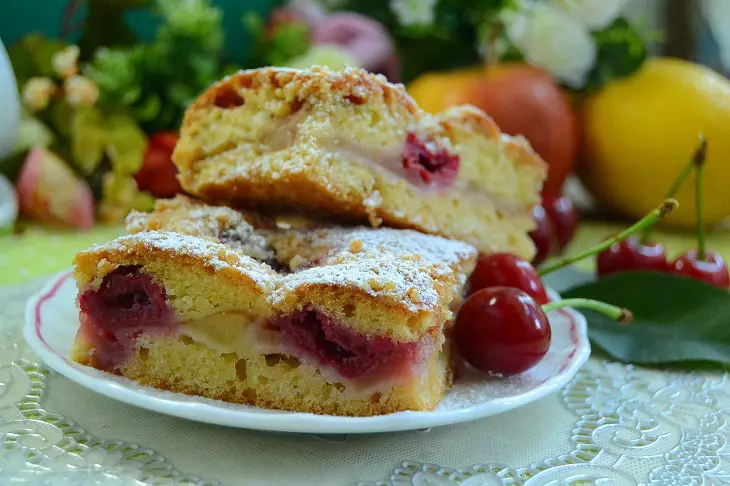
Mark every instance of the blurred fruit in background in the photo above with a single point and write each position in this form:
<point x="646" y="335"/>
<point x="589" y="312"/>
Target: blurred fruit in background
<point x="158" y="175"/>
<point x="48" y="190"/>
<point x="522" y="100"/>
<point x="641" y="131"/>
<point x="435" y="92"/>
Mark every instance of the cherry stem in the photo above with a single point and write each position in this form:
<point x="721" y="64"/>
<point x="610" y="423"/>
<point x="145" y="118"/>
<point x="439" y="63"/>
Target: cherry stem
<point x="696" y="161"/>
<point x="674" y="189"/>
<point x="667" y="207"/>
<point x="623" y="316"/>
<point x="699" y="162"/>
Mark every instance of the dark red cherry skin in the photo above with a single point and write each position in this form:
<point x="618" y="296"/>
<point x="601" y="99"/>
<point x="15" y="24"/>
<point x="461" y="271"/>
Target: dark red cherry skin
<point x="507" y="270"/>
<point x="712" y="269"/>
<point x="543" y="236"/>
<point x="563" y="216"/>
<point x="631" y="254"/>
<point x="502" y="330"/>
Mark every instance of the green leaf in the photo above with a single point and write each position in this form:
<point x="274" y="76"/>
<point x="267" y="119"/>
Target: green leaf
<point x="125" y="144"/>
<point x="32" y="132"/>
<point x="31" y="56"/>
<point x="676" y="319"/>
<point x="60" y="114"/>
<point x="621" y="51"/>
<point x="88" y="138"/>
<point x="148" y="109"/>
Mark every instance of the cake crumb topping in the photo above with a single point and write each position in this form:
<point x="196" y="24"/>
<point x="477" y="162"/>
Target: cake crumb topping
<point x="405" y="266"/>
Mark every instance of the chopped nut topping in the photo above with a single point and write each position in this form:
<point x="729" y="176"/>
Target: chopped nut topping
<point x="414" y="295"/>
<point x="355" y="246"/>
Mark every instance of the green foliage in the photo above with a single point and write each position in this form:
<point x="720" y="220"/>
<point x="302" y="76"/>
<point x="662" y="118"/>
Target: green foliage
<point x="450" y="42"/>
<point x="87" y="139"/>
<point x="104" y="25"/>
<point x="31" y="56"/>
<point x="96" y="135"/>
<point x="621" y="51"/>
<point x="117" y="74"/>
<point x="157" y="81"/>
<point x="275" y="46"/>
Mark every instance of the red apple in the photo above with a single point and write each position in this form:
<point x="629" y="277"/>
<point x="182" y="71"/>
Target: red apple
<point x="527" y="101"/>
<point x="48" y="190"/>
<point x="158" y="174"/>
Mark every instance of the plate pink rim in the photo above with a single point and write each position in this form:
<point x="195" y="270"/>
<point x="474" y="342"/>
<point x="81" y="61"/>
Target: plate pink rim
<point x="221" y="413"/>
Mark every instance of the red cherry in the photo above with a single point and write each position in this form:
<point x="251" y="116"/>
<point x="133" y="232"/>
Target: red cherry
<point x="564" y="217"/>
<point x="502" y="330"/>
<point x="543" y="236"/>
<point x="711" y="270"/>
<point x="507" y="270"/>
<point x="631" y="254"/>
<point x="427" y="164"/>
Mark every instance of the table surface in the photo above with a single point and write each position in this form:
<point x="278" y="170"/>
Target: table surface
<point x="622" y="424"/>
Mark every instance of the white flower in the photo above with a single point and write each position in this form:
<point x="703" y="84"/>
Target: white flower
<point x="65" y="61"/>
<point x="717" y="13"/>
<point x="594" y="14"/>
<point x="37" y="93"/>
<point x="80" y="91"/>
<point x="413" y="12"/>
<point x="551" y="39"/>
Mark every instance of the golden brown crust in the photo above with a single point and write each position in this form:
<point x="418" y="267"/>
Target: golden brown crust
<point x="352" y="84"/>
<point x="468" y="116"/>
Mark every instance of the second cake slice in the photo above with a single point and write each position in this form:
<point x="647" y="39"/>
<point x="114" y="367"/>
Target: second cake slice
<point x="209" y="301"/>
<point x="353" y="145"/>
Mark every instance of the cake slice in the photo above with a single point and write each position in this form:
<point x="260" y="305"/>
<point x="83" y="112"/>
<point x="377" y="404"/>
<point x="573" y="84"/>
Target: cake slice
<point x="209" y="301"/>
<point x="353" y="145"/>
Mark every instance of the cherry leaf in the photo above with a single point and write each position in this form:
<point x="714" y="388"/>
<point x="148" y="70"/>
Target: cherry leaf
<point x="677" y="320"/>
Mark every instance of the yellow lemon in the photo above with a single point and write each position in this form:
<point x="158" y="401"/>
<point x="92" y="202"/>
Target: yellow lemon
<point x="640" y="131"/>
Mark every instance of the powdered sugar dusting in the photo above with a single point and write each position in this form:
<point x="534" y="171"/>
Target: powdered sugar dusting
<point x="421" y="272"/>
<point x="401" y="244"/>
<point x="387" y="278"/>
<point x="213" y="255"/>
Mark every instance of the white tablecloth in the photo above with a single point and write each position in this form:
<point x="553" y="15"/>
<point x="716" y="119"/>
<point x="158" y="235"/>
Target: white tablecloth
<point x="612" y="425"/>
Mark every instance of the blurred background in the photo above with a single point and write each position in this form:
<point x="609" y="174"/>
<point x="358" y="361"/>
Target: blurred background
<point x="613" y="94"/>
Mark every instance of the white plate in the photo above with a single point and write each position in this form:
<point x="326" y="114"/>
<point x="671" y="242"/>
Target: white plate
<point x="52" y="320"/>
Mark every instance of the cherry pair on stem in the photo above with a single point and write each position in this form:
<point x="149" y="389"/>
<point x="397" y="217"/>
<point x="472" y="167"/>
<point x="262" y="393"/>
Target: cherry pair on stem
<point x="639" y="253"/>
<point x="503" y="327"/>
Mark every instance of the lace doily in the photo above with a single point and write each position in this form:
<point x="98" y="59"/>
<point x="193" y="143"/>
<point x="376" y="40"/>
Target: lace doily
<point x="630" y="426"/>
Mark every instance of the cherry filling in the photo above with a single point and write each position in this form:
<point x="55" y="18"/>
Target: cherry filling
<point x="424" y="164"/>
<point x="353" y="355"/>
<point x="126" y="304"/>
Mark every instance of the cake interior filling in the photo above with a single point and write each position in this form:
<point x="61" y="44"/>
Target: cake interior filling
<point x="353" y="355"/>
<point x="427" y="164"/>
<point x="421" y="162"/>
<point x="126" y="304"/>
<point x="129" y="303"/>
